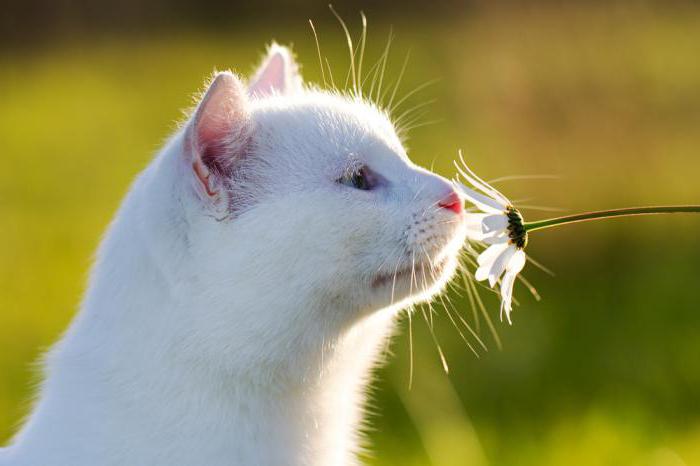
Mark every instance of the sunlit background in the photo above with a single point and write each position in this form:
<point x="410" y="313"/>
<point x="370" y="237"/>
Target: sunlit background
<point x="604" y="370"/>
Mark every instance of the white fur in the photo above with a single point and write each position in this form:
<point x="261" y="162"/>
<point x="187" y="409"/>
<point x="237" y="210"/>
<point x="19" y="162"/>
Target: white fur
<point x="241" y="328"/>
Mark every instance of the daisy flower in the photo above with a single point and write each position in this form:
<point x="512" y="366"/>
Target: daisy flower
<point x="500" y="226"/>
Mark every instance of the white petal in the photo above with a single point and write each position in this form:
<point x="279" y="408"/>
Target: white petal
<point x="482" y="273"/>
<point x="491" y="254"/>
<point x="483" y="202"/>
<point x="499" y="265"/>
<point x="507" y="294"/>
<point x="496" y="239"/>
<point x="474" y="223"/>
<point x="478" y="183"/>
<point x="494" y="223"/>
<point x="515" y="265"/>
<point x="517" y="262"/>
<point x="489" y="228"/>
<point x="486" y="260"/>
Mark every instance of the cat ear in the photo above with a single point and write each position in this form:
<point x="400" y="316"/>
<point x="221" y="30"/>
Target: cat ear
<point x="278" y="73"/>
<point x="218" y="134"/>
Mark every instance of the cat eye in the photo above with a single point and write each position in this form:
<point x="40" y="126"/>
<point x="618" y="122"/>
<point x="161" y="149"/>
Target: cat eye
<point x="361" y="178"/>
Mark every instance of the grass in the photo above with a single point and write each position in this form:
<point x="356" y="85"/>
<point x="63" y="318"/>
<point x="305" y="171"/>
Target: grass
<point x="603" y="371"/>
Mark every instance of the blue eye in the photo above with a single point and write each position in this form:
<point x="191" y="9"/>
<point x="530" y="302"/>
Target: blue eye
<point x="361" y="178"/>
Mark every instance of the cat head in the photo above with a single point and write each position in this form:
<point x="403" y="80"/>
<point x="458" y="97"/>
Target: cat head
<point x="304" y="208"/>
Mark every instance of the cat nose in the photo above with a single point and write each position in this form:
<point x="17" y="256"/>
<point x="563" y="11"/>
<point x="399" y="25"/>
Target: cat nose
<point x="452" y="202"/>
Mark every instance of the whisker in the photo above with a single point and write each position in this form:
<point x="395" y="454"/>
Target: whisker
<point x="318" y="49"/>
<point x="446" y="307"/>
<point x="475" y="315"/>
<point x="485" y="314"/>
<point x="468" y="174"/>
<point x="487" y="317"/>
<point x="397" y="84"/>
<point x="384" y="262"/>
<point x="431" y="309"/>
<point x="350" y="49"/>
<point x="432" y="163"/>
<point x="416" y="117"/>
<point x="411" y="93"/>
<point x="363" y="40"/>
<point x="406" y="113"/>
<point x="530" y="287"/>
<point x="454" y="287"/>
<point x="372" y="72"/>
<point x="384" y="59"/>
<point x="523" y="177"/>
<point x="542" y="208"/>
<point x="471" y="330"/>
<point x="461" y="334"/>
<point x="425" y="283"/>
<point x="443" y="360"/>
<point x="410" y="128"/>
<point x="330" y="74"/>
<point x="449" y="314"/>
<point x="434" y="204"/>
<point x="418" y="191"/>
<point x="410" y="120"/>
<point x="540" y="266"/>
<point x="393" y="283"/>
<point x="447" y="222"/>
<point x="410" y="349"/>
<point x="488" y="289"/>
<point x="413" y="273"/>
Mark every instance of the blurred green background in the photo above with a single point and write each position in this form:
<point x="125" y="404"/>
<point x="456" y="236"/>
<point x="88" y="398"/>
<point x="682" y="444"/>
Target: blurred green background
<point x="605" y="370"/>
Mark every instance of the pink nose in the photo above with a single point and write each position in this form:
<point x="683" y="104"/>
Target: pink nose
<point x="452" y="202"/>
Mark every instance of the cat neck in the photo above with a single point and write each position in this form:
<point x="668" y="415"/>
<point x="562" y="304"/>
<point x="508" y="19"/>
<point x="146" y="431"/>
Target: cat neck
<point x="126" y="386"/>
<point x="141" y="407"/>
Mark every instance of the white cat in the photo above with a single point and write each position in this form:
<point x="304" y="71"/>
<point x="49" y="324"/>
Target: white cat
<point x="242" y="293"/>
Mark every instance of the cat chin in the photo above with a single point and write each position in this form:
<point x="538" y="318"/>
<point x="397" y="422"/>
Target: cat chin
<point x="411" y="283"/>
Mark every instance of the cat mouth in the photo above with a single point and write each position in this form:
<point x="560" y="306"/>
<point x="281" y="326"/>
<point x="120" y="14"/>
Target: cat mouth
<point x="420" y="275"/>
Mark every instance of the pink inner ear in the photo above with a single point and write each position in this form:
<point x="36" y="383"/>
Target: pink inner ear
<point x="212" y="135"/>
<point x="221" y="123"/>
<point x="272" y="77"/>
<point x="219" y="134"/>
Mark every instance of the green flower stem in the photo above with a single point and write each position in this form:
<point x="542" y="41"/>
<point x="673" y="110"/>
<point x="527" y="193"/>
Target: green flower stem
<point x="628" y="212"/>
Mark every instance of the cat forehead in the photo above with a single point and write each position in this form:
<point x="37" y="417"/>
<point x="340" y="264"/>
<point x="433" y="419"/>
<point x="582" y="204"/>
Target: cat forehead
<point x="319" y="120"/>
